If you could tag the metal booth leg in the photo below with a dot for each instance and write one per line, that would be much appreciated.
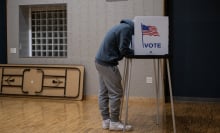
(124, 83)
(127, 88)
(171, 96)
(157, 83)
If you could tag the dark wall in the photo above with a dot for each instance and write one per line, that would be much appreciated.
(3, 40)
(195, 45)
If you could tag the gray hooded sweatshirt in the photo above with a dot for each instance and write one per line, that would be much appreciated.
(116, 44)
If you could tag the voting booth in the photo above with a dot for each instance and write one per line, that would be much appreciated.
(151, 35)
(150, 41)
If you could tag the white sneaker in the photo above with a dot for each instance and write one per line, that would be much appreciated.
(118, 126)
(105, 124)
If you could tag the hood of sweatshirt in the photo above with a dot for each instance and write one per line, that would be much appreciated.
(129, 22)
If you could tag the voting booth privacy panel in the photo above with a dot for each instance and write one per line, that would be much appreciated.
(150, 35)
(150, 40)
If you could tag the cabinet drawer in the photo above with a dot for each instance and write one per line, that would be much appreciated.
(54, 71)
(11, 90)
(73, 83)
(13, 71)
(54, 81)
(12, 80)
(52, 92)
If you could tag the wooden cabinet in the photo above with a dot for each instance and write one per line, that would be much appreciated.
(42, 80)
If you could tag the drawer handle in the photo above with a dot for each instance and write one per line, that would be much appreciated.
(57, 82)
(9, 80)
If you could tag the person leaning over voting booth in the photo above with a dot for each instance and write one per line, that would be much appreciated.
(113, 48)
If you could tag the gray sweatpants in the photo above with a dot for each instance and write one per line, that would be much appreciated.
(110, 92)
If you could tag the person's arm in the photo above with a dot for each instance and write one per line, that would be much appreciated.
(125, 41)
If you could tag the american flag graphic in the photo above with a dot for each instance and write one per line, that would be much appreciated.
(149, 30)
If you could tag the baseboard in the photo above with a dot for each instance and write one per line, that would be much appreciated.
(132, 99)
(195, 99)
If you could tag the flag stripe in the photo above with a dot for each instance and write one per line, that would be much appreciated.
(149, 30)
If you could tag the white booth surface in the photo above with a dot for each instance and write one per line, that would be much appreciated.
(151, 35)
(42, 80)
